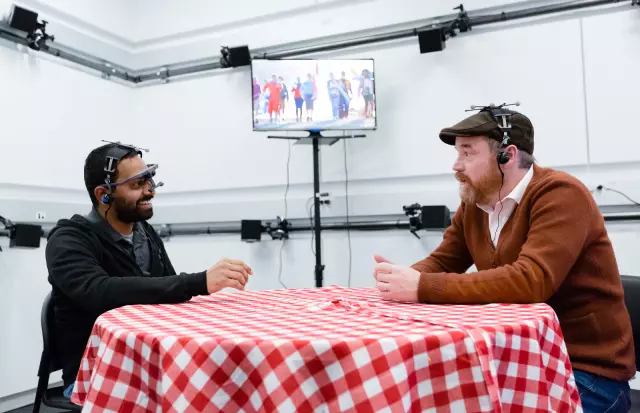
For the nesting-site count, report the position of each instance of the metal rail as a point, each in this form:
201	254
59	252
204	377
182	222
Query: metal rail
164	72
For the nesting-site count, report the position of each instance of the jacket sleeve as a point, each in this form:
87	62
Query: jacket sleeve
452	255
74	268
559	223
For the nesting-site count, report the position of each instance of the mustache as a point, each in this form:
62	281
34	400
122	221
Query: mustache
461	177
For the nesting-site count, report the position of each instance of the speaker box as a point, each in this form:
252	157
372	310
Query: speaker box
250	230
239	56
431	40
435	217
25	235
23	19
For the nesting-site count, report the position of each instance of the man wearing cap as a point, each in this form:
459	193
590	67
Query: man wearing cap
112	257
535	235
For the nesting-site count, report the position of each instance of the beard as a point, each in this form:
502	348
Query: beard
129	213
482	190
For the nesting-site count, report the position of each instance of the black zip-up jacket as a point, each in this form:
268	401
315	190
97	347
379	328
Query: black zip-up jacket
91	274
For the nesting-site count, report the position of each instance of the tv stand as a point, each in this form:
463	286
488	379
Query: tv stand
316	139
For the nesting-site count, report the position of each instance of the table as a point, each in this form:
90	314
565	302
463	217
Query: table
325	350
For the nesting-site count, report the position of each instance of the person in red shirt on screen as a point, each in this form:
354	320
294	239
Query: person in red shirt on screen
297	97
274	97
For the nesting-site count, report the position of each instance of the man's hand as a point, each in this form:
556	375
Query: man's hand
396	282
228	273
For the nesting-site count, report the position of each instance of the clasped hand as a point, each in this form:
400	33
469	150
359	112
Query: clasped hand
396	282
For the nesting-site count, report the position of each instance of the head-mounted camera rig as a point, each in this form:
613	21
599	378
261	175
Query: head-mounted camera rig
503	120
502	117
115	155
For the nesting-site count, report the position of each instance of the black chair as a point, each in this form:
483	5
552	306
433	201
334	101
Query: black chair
52	397
631	285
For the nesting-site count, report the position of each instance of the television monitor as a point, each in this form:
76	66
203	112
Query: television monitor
313	95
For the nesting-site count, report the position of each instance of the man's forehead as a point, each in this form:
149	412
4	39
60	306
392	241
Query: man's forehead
130	167
468	141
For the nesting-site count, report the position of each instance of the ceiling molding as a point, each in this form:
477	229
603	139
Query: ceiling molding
237	25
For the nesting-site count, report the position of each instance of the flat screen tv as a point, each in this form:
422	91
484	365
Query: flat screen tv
313	95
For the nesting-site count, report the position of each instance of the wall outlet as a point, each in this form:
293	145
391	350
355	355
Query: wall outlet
40	216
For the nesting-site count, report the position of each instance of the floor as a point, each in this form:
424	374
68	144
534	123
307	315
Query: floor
635	408
43	409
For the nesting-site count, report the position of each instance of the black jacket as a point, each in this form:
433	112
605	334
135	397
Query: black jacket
91	274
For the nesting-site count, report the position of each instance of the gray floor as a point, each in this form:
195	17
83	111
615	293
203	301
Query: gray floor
43	409
635	401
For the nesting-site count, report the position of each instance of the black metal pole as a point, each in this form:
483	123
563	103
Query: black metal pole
316	206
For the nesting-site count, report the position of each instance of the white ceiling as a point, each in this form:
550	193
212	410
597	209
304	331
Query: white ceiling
146	21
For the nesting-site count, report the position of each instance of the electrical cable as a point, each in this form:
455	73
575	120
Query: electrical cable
346	198
309	207
493	240
286	207
600	187
5	222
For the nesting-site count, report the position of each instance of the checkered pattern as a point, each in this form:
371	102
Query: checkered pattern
325	349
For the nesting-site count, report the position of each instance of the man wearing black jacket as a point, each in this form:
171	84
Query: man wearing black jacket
112	257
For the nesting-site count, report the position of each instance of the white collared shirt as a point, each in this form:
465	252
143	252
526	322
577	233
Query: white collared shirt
499	215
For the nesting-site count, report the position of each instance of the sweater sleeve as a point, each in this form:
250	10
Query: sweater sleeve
74	269
559	223
452	255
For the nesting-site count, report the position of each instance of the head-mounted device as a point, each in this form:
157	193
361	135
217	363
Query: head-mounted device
115	155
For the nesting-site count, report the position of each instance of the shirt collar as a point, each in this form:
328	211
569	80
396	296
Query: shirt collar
96	218
516	194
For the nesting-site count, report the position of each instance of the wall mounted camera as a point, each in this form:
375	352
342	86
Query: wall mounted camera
22	235
414	213
436	217
235	56
280	231
27	21
251	230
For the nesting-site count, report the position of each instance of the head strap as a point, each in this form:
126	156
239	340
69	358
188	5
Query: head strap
115	155
500	116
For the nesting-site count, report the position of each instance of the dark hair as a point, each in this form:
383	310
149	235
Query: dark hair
94	174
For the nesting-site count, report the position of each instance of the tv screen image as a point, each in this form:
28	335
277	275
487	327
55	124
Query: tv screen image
313	95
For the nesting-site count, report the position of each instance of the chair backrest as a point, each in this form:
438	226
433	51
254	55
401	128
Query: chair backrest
49	362
631	285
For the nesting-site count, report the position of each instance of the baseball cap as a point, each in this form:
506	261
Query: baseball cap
483	124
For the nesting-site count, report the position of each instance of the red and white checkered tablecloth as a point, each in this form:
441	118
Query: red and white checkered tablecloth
325	350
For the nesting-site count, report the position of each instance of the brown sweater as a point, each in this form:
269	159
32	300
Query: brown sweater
553	249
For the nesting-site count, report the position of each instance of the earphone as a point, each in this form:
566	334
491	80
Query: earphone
106	199
502	118
503	156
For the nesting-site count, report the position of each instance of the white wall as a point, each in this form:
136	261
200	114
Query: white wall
417	96
51	118
196	29
148	33
216	169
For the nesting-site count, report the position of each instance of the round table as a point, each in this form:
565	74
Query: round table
325	350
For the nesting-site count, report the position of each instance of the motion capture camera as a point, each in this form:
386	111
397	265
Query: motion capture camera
281	230
414	212
429	217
